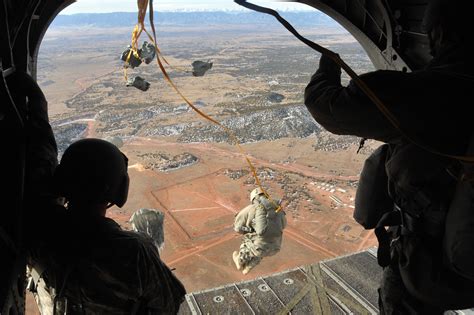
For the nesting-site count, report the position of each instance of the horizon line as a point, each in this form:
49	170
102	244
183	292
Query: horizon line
194	11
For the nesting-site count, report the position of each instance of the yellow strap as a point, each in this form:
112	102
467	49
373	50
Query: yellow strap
361	84
320	293
295	300
137	31
315	277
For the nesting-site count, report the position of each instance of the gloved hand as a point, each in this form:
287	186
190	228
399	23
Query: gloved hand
245	229
327	65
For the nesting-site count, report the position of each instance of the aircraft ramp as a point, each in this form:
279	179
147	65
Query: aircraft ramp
344	285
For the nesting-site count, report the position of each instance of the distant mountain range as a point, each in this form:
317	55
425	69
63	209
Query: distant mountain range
298	18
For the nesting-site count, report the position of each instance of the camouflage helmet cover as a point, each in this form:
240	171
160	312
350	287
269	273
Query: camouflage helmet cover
453	16
93	170
256	192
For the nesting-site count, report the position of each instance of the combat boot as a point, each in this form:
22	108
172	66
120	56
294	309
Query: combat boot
236	258
250	265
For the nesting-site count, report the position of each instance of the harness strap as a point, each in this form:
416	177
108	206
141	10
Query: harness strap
409	224
392	218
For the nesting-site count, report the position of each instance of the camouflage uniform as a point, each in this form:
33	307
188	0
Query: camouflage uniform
263	230
419	182
104	270
81	264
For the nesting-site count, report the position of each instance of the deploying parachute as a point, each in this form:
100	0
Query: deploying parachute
134	56
149	222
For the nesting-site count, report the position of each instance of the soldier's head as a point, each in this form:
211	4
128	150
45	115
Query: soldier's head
92	172
254	193
448	22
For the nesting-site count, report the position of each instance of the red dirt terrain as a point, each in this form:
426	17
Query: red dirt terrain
200	201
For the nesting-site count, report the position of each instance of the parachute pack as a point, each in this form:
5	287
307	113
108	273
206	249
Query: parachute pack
437	252
459	233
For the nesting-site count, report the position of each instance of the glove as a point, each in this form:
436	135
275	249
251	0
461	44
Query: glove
327	65
245	229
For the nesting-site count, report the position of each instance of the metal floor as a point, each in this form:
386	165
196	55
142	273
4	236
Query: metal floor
344	285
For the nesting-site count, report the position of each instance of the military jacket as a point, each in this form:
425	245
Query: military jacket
96	266
264	223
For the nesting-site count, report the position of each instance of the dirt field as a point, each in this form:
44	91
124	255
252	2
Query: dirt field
200	202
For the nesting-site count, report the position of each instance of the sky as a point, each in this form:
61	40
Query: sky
102	6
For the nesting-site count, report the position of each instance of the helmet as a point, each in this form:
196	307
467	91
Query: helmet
93	170
432	15
256	192
448	22
453	16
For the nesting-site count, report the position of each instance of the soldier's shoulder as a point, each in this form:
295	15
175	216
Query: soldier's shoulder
116	237
268	204
137	238
132	249
247	209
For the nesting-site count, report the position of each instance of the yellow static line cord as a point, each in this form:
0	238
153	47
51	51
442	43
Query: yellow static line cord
137	31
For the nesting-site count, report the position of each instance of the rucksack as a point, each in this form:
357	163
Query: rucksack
439	268
459	233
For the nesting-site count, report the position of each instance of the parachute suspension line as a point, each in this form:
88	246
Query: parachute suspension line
360	83
153	29
137	31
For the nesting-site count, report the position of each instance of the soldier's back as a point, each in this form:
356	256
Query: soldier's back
104	269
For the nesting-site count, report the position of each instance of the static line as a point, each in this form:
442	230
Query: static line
195	209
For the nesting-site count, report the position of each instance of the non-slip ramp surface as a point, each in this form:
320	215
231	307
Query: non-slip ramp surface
345	285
